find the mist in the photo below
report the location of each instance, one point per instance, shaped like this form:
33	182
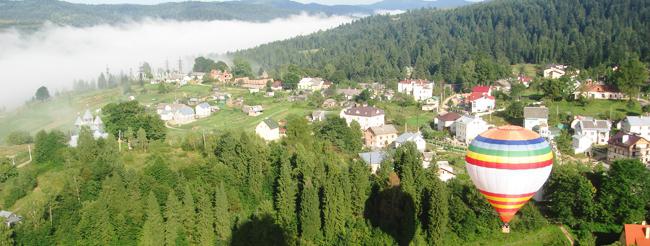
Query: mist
55	56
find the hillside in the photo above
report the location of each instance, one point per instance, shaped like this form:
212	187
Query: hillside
33	13
464	44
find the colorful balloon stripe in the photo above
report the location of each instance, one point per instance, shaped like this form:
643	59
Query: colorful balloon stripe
498	152
509	166
509	142
513	160
487	193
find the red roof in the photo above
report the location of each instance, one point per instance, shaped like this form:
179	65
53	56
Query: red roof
451	116
481	89
477	95
635	235
524	78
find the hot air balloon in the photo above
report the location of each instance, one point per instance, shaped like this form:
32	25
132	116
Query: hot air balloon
508	165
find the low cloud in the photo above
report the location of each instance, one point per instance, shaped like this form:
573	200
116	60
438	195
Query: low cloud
55	56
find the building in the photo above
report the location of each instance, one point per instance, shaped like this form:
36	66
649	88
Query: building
268	130
183	115
445	171
596	130
535	116
380	136
349	93
203	110
417	88
255	110
628	146
479	102
446	120
554	71
366	116
524	80
94	124
373	159
310	84
221	76
415	137
482	89
600	91
329	103
253	83
637	235
10	218
317	116
430	104
468	127
636	124
276	86
581	144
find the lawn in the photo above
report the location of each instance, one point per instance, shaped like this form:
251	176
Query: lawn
529	70
548	235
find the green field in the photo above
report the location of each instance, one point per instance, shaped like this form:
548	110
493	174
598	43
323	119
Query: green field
548	235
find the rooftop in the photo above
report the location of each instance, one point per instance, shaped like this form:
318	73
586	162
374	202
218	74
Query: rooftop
481	89
638	120
624	139
408	136
383	130
451	116
636	234
536	112
375	157
271	123
364	111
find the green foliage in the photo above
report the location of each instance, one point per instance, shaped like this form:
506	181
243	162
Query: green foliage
119	117
42	94
222	215
514	113
242	68
205	65
309	216
557	89
19	137
631	76
153	231
336	130
173	229
47	146
570	195
625	192
565	143
7	169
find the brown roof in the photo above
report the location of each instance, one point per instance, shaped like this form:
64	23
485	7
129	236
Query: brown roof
383	130
364	111
536	112
451	116
602	88
618	139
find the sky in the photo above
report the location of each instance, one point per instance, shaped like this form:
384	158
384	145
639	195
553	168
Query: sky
56	56
327	2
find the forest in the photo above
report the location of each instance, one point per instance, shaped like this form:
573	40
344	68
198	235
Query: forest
467	45
309	189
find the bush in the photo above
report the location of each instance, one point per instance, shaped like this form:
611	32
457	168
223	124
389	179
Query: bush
19	137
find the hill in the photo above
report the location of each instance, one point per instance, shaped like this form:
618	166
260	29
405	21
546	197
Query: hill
33	13
468	44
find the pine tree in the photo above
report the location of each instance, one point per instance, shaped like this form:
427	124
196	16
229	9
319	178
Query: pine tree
205	220
153	229
188	215
437	214
360	181
222	215
309	213
130	138
285	197
143	142
173	228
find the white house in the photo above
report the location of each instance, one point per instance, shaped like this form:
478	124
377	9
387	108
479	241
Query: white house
636	124
446	120
268	130
445	171
480	102
597	90
255	110
430	104
184	115
596	130
554	71
94	124
419	89
468	127
203	110
415	137
581	143
310	84
535	116
366	116
373	159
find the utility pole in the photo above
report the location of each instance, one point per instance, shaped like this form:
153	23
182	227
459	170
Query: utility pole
29	148
119	141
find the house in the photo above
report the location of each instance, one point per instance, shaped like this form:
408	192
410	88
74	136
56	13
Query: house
318	115
276	85
430	104
600	91
310	84
535	116
255	110
94	124
221	76
596	130
628	146
380	136
183	115
203	110
480	102
10	218
417	88
554	71
637	235
253	83
636	124
502	85
366	116
373	159
446	120
482	90
468	127
445	171
524	80
581	143
415	137
329	103
349	93
268	130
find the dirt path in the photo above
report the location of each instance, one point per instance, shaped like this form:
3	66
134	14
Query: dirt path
567	235
23	164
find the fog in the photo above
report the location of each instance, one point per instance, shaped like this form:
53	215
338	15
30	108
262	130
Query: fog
55	56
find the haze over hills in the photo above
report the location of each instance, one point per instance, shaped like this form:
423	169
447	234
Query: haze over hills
33	13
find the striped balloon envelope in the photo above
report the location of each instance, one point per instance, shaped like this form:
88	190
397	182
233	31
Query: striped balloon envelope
508	165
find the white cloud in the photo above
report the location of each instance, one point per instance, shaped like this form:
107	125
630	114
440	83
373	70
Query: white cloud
55	56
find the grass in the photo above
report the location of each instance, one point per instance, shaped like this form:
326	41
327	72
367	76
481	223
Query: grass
547	235
529	70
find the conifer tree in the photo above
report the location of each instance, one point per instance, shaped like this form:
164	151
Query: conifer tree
360	181
309	213
205	220
222	215
437	214
143	142
173	228
285	197
188	215
153	229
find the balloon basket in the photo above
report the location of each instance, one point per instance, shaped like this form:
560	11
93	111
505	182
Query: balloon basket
505	228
